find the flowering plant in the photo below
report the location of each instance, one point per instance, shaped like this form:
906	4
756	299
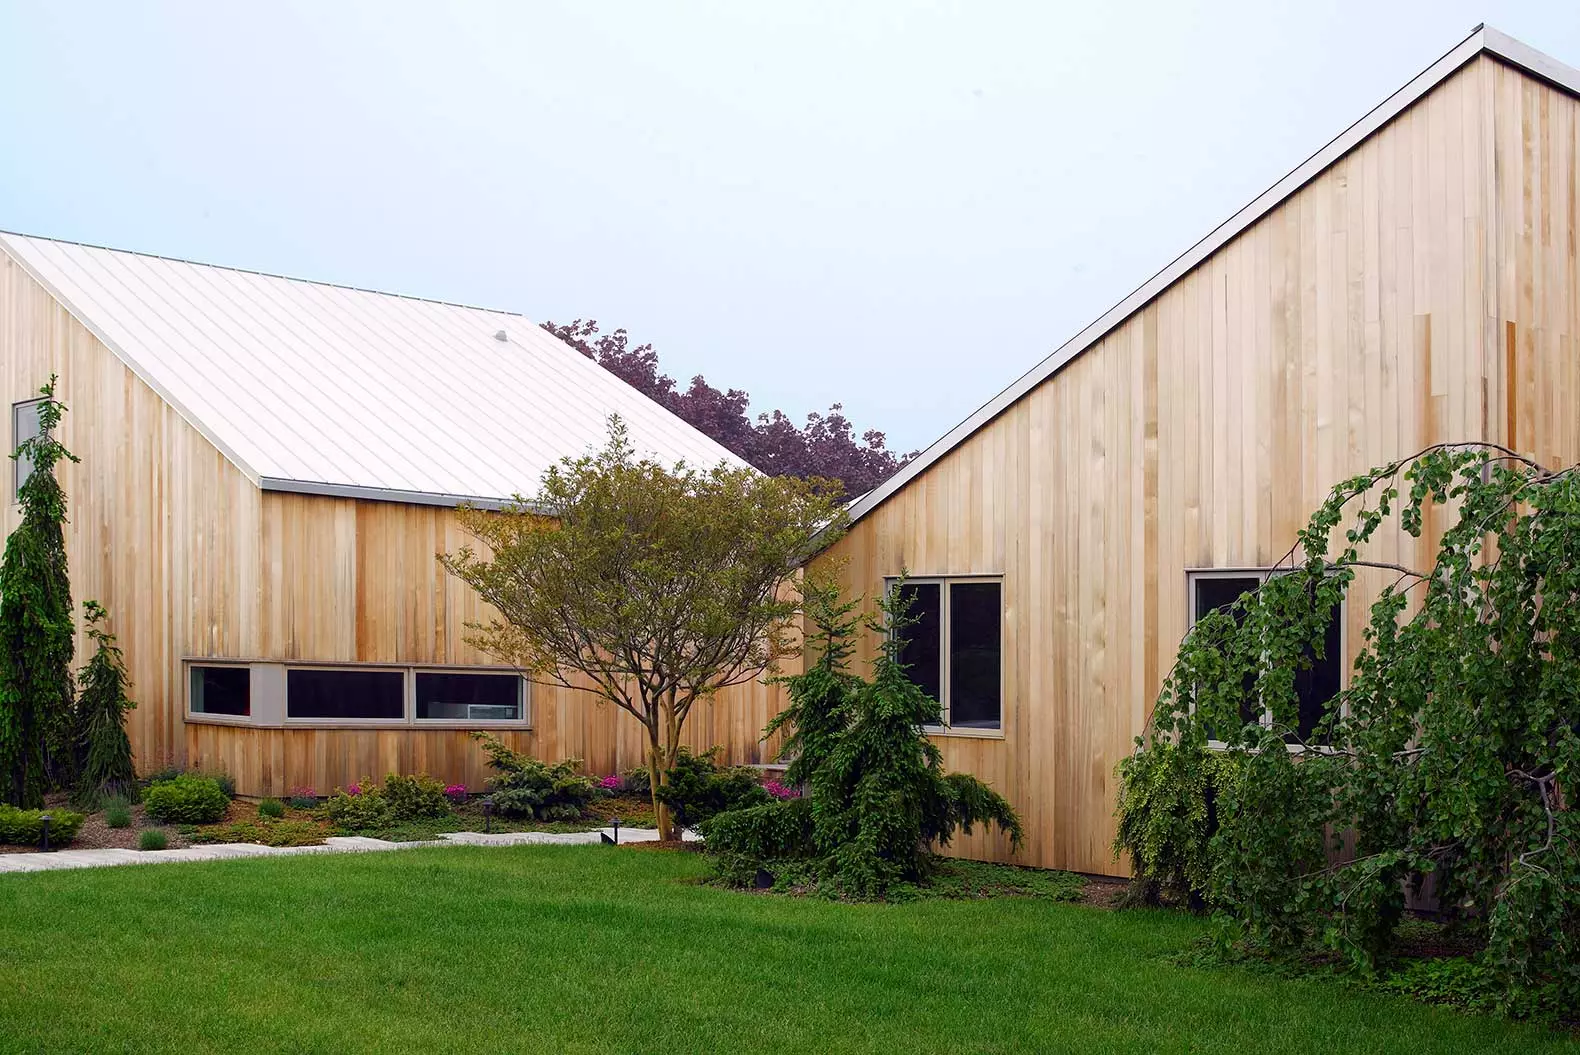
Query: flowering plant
612	782
456	793
781	791
354	789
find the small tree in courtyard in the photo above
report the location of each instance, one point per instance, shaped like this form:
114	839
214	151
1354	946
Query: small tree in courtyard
36	630
106	769
647	586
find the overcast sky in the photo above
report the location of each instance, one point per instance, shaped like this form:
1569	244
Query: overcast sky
901	206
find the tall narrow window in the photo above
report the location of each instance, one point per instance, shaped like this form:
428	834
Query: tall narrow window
24	426
347	694
954	648
1319	678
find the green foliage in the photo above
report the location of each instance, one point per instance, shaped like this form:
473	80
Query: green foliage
1454	751
265	832
416	797
117	814
523	786
153	839
649	586
364	810
698	788
272	809
186	799
37	637
106	768
26	827
878	798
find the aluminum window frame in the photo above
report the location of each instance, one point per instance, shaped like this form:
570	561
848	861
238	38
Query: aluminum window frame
17	479
944	622
188	667
523	700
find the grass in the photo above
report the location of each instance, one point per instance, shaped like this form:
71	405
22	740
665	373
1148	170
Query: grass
597	949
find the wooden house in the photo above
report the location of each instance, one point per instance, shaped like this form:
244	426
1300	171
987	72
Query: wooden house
1414	281
268	470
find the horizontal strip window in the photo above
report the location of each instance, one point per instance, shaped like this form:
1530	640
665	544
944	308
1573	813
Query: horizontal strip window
954	650
355	695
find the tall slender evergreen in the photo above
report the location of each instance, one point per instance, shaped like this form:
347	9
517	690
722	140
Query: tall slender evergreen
36	630
106	753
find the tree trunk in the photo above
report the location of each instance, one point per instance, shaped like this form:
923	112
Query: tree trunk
658	776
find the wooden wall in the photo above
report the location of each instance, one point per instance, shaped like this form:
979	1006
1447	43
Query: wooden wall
1423	288
194	560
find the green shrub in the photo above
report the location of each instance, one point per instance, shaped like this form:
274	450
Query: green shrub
744	841
153	839
365	811
117	814
187	799
271	808
525	787
264	832
26	827
101	719
698	788
414	798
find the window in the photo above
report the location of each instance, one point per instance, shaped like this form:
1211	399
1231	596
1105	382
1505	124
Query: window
346	693
24	426
222	690
954	651
1320	678
458	696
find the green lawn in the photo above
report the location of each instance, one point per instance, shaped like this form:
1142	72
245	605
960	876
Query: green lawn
592	949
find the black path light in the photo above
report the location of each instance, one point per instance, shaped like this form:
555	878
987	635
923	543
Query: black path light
43	833
488	817
603	837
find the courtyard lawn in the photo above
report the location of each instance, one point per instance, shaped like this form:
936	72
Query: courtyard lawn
593	949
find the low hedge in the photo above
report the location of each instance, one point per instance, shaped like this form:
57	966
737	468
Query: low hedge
26	827
186	799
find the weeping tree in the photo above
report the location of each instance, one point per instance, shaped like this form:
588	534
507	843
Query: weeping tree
645	586
878	803
36	631
106	770
1453	753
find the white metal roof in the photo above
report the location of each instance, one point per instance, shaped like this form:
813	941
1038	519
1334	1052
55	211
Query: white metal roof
1482	40
325	389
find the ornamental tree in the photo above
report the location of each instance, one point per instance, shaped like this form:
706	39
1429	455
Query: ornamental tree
649	587
1454	751
107	770
36	631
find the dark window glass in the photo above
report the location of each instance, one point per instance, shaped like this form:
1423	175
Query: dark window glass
349	693
1318	683
975	655
24	426
221	690
1215	592
469	697
923	650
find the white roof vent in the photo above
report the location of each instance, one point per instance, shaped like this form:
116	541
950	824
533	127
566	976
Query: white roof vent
501	336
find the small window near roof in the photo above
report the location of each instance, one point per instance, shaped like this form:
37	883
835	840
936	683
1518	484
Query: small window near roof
24	426
222	690
459	696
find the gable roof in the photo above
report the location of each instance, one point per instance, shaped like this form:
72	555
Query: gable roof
1483	40
325	389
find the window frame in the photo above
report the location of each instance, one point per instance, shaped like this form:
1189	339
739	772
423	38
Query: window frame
1263	574
17	479
944	582
271	708
208	718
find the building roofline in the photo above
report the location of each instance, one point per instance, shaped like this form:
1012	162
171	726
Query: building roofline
324	489
1483	40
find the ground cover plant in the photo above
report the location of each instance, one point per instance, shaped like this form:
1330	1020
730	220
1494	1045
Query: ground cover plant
1454	753
382	953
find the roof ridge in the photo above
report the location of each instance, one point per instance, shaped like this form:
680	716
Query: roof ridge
264	274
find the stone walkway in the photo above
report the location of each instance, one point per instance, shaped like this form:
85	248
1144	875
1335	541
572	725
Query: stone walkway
334	845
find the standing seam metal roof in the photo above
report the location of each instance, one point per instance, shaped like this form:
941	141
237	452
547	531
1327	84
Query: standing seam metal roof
326	389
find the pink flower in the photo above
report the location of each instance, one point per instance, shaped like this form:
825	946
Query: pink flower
781	791
455	793
612	782
355	789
